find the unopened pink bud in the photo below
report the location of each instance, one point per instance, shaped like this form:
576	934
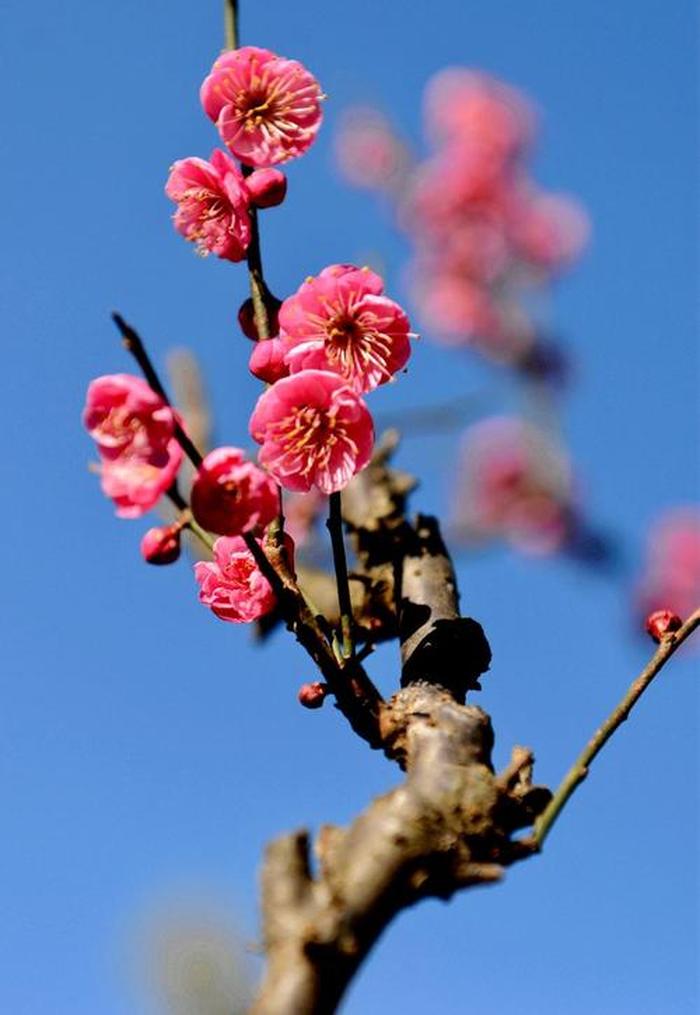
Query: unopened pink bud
267	187
661	623
246	317
161	545
312	695
267	360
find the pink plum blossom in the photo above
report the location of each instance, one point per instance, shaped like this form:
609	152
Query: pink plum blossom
315	431
213	203
514	483
232	585
340	321
124	415
135	485
267	109
267	360
134	430
231	496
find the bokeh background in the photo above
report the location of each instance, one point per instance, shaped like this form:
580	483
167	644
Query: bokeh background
148	751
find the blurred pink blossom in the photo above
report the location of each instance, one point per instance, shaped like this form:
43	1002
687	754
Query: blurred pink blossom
213	202
368	152
485	239
267	109
315	431
515	484
301	513
468	105
231	496
671	574
340	321
232	585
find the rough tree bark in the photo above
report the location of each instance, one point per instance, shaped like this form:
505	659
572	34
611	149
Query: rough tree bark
448	826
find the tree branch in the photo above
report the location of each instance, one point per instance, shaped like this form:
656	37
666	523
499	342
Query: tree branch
134	344
437	644
447	827
579	770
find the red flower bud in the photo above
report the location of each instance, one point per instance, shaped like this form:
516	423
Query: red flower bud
661	623
161	545
246	317
267	187
267	360
312	695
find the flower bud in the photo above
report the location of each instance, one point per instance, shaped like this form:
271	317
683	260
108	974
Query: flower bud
161	545
246	317
267	360
312	695
267	187
661	623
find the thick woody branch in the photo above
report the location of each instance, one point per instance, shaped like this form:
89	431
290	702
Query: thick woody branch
447	827
437	644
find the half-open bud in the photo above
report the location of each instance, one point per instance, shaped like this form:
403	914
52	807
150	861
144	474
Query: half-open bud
312	695
161	545
661	623
267	187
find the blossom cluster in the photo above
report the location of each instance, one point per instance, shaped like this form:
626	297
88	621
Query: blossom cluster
134	431
335	340
267	110
339	338
483	235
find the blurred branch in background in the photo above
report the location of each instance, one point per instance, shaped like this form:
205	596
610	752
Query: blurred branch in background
194	962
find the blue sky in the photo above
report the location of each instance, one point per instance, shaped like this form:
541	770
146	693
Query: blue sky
148	751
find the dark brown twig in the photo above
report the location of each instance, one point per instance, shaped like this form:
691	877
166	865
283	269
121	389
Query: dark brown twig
134	344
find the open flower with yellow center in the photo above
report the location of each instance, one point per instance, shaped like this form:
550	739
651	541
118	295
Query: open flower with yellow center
212	205
134	431
266	108
341	321
315	431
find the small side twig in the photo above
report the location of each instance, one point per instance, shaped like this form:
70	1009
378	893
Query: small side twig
134	344
355	694
340	564
579	770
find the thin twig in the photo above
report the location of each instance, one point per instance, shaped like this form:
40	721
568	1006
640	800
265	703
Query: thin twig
134	344
579	770
355	694
186	519
340	564
258	288
231	23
